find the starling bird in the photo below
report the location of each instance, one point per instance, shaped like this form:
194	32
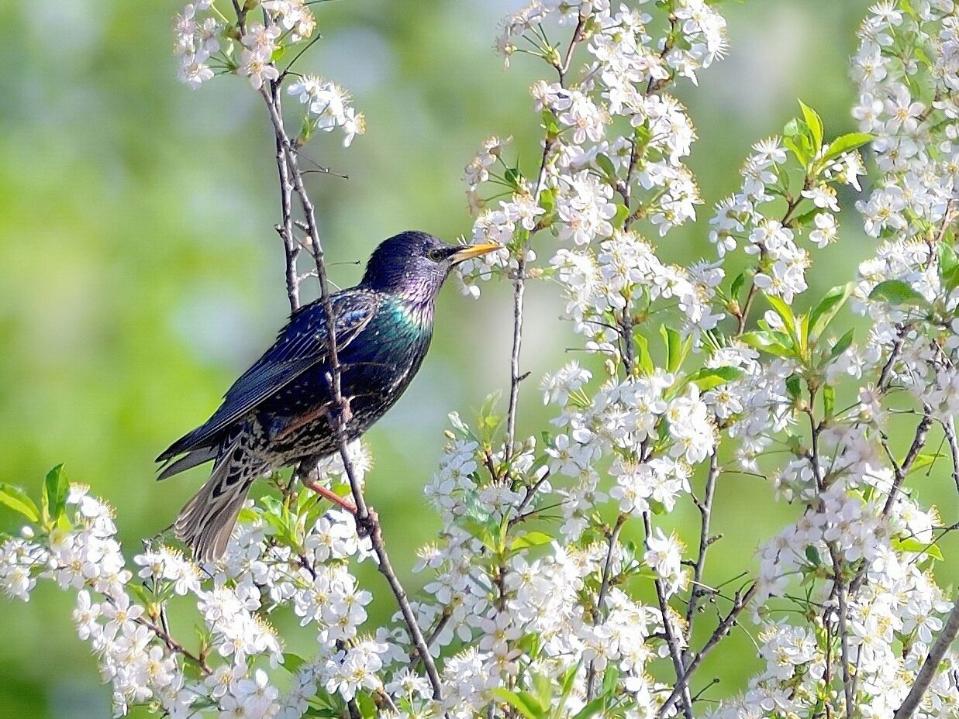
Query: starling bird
282	410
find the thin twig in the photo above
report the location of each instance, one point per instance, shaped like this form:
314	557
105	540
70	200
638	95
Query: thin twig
901	470
893	356
740	601
840	587
705	511
601	597
949	425
672	641
928	670
366	520
946	637
286	229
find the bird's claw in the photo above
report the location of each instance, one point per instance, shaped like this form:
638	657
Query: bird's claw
346	412
368	524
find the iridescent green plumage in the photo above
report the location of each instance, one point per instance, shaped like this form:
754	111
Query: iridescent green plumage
279	411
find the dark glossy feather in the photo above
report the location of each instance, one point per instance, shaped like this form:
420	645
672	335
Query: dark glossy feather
279	413
301	345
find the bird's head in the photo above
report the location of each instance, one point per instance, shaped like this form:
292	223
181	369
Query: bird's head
415	264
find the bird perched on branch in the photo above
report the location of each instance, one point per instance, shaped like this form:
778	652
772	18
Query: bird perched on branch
283	411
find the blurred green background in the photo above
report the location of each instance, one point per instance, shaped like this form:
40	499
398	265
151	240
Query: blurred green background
139	271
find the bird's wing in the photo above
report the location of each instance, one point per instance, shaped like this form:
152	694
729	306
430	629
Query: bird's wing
302	344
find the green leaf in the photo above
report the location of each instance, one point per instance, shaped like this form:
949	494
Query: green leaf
948	266
923	460
814	122
523	702
828	307
805	219
812	554
592	709
797	146
674	348
794	386
914	546
645	359
547	199
606	165
531	539
622	212
709	377
897	292
292	662
947	258
784	311
846	143
610	680
17	500
842	344
550	124
737	285
828	399
481	531
770	342
796	138
246	516
55	489
567	680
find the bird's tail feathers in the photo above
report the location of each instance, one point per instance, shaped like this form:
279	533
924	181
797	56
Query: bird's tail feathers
206	522
188	461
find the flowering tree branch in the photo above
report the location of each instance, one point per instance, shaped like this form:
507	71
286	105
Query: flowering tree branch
291	177
535	602
931	665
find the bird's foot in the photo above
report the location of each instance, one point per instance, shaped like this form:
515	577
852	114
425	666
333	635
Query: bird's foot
346	412
329	494
368	525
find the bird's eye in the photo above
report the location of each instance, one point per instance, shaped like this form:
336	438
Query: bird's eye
437	254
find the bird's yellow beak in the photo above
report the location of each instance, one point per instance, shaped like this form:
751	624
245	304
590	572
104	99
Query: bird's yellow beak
471	251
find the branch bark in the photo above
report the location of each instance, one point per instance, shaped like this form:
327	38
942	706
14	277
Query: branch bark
672	641
740	602
291	180
928	671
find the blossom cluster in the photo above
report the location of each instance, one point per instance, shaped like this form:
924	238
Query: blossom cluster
207	43
555	587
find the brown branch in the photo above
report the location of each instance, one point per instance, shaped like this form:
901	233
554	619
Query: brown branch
893	356
601	597
928	670
672	641
840	589
949	426
366	520
901	470
290	246
705	510
740	601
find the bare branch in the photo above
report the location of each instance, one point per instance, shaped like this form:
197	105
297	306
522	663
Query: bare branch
672	641
705	510
601	597
740	602
928	671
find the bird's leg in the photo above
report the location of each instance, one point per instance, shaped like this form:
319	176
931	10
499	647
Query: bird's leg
346	412
366	526
329	494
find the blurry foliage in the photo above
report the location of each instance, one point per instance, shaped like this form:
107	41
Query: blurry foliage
140	271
